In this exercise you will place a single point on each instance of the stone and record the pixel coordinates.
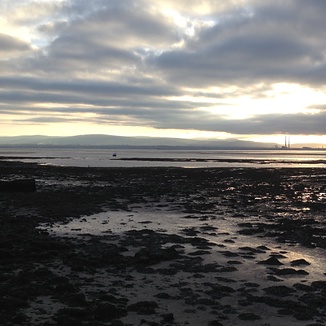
(144, 307)
(299, 262)
(248, 316)
(271, 261)
(19, 185)
(281, 290)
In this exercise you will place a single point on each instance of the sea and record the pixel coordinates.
(199, 158)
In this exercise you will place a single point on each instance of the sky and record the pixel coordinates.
(246, 69)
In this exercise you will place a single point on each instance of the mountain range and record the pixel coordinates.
(99, 140)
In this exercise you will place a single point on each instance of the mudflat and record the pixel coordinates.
(163, 246)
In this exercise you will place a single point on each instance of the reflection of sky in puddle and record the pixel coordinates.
(172, 222)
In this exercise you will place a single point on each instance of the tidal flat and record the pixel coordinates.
(163, 246)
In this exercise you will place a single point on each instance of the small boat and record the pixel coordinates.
(114, 154)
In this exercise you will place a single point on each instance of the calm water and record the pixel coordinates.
(181, 158)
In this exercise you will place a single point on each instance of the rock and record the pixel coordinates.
(106, 311)
(289, 271)
(117, 322)
(319, 284)
(153, 256)
(6, 254)
(304, 287)
(214, 323)
(20, 319)
(299, 262)
(163, 295)
(252, 250)
(19, 185)
(168, 318)
(144, 307)
(281, 290)
(76, 313)
(271, 261)
(248, 316)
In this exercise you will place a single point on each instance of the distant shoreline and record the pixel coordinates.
(161, 147)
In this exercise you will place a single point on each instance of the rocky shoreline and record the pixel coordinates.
(201, 275)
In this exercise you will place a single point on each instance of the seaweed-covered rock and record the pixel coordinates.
(144, 307)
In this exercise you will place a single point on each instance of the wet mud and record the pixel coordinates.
(201, 275)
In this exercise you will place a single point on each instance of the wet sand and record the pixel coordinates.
(163, 246)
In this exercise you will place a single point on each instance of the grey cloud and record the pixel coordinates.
(53, 28)
(252, 45)
(48, 119)
(110, 38)
(264, 125)
(271, 45)
(11, 44)
(88, 87)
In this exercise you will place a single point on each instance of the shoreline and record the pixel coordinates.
(156, 276)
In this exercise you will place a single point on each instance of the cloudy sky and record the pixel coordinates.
(250, 69)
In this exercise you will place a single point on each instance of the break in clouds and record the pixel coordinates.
(196, 65)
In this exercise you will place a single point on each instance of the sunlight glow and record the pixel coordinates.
(281, 99)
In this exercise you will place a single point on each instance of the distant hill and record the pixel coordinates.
(118, 141)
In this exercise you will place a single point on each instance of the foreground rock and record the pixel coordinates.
(19, 185)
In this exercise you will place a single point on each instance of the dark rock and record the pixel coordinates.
(288, 271)
(78, 313)
(12, 303)
(304, 287)
(19, 185)
(252, 285)
(20, 319)
(106, 311)
(299, 262)
(271, 261)
(252, 250)
(281, 290)
(227, 269)
(116, 322)
(68, 321)
(214, 323)
(248, 316)
(154, 255)
(6, 254)
(234, 262)
(163, 295)
(229, 254)
(273, 278)
(199, 253)
(319, 285)
(65, 287)
(108, 298)
(168, 318)
(144, 307)
(264, 248)
(304, 314)
(314, 299)
(75, 299)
